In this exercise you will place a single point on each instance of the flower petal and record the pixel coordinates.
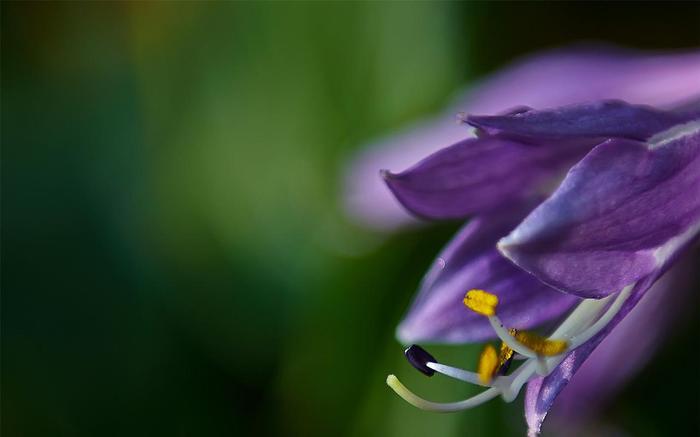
(619, 215)
(366, 197)
(610, 118)
(471, 261)
(585, 73)
(480, 175)
(554, 78)
(628, 348)
(598, 367)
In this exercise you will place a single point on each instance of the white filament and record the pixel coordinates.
(508, 339)
(582, 316)
(578, 339)
(457, 373)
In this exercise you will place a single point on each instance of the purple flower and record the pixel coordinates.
(586, 255)
(616, 224)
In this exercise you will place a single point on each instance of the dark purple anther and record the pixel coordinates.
(419, 357)
(503, 370)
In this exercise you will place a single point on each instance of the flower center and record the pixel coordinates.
(540, 355)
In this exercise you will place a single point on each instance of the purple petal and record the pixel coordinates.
(627, 349)
(471, 261)
(618, 216)
(621, 348)
(480, 175)
(578, 74)
(662, 210)
(610, 118)
(366, 197)
(549, 79)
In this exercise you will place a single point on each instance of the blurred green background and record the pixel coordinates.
(175, 260)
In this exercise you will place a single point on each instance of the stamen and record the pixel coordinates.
(419, 358)
(457, 373)
(424, 362)
(439, 407)
(541, 345)
(481, 302)
(519, 378)
(505, 357)
(488, 364)
(530, 345)
(509, 339)
(581, 317)
(541, 354)
(601, 323)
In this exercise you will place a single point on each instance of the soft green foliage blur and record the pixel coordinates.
(175, 260)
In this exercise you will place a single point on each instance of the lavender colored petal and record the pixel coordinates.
(609, 118)
(479, 175)
(542, 392)
(620, 213)
(471, 261)
(627, 349)
(585, 73)
(554, 78)
(366, 197)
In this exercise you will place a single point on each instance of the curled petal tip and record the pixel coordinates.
(504, 246)
(386, 174)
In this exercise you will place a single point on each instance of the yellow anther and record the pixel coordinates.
(488, 364)
(541, 345)
(504, 354)
(481, 302)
